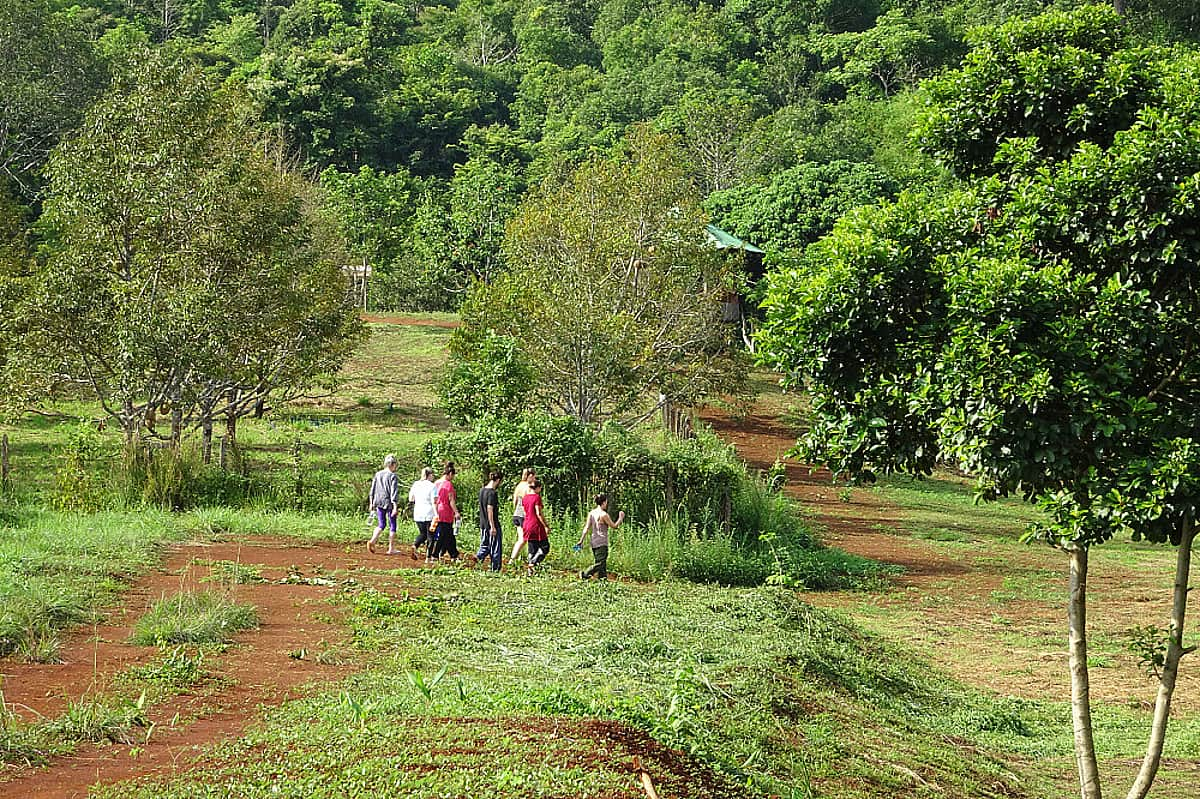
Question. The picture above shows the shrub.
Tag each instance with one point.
(485, 377)
(76, 487)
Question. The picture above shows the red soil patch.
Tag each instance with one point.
(416, 321)
(257, 671)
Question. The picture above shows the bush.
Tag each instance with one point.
(178, 479)
(76, 487)
(485, 377)
(694, 478)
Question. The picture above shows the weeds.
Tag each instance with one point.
(229, 573)
(97, 720)
(173, 672)
(193, 618)
(30, 619)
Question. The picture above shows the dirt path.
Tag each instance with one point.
(265, 667)
(957, 603)
(417, 321)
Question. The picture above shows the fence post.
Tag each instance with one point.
(4, 461)
(298, 466)
(224, 453)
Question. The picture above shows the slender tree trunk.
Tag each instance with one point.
(176, 425)
(1170, 670)
(231, 430)
(206, 433)
(128, 422)
(1081, 703)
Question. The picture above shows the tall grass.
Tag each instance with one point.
(193, 617)
(57, 568)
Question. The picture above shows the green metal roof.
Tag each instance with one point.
(727, 241)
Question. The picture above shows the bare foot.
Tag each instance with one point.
(371, 547)
(392, 552)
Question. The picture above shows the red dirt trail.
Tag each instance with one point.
(254, 673)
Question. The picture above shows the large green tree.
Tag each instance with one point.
(612, 290)
(187, 271)
(1037, 327)
(48, 75)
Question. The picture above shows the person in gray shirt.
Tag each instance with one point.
(385, 503)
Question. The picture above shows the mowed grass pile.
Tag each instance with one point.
(758, 689)
(194, 617)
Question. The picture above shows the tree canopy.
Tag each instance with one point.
(611, 288)
(187, 270)
(1036, 327)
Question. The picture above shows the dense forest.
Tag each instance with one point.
(426, 124)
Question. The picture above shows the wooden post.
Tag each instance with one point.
(365, 273)
(4, 460)
(297, 464)
(224, 456)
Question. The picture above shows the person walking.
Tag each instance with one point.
(537, 531)
(596, 529)
(384, 501)
(446, 509)
(491, 539)
(422, 497)
(519, 493)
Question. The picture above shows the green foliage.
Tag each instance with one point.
(487, 376)
(124, 304)
(203, 617)
(31, 617)
(99, 720)
(720, 562)
(799, 205)
(48, 77)
(1067, 78)
(1033, 328)
(76, 485)
(173, 671)
(612, 290)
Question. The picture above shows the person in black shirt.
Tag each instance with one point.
(491, 542)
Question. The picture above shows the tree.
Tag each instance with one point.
(189, 272)
(48, 75)
(1036, 327)
(800, 204)
(612, 289)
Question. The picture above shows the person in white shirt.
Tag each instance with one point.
(421, 496)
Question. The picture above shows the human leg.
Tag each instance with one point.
(600, 567)
(391, 550)
(381, 518)
(519, 523)
(538, 550)
(496, 549)
(422, 537)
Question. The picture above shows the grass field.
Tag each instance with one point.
(460, 683)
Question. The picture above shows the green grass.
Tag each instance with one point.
(203, 617)
(56, 569)
(943, 508)
(753, 684)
